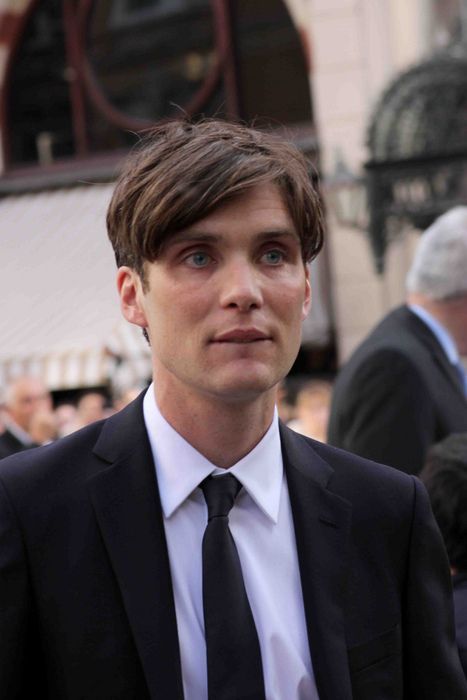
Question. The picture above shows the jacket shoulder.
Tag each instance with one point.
(348, 473)
(60, 462)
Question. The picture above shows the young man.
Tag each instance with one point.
(190, 546)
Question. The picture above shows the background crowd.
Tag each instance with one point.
(28, 417)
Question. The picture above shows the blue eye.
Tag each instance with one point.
(198, 259)
(274, 257)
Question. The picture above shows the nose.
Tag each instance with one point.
(241, 287)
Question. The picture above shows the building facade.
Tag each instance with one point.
(80, 79)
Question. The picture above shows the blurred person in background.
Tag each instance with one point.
(44, 428)
(24, 397)
(65, 416)
(126, 396)
(445, 478)
(404, 388)
(89, 409)
(312, 409)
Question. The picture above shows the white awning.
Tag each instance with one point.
(61, 316)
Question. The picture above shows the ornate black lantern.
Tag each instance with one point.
(418, 145)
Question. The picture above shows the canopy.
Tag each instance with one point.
(61, 318)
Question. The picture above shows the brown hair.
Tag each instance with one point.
(182, 171)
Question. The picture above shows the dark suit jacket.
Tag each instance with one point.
(86, 603)
(397, 395)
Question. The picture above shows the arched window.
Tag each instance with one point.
(89, 75)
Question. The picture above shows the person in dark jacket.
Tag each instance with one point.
(445, 477)
(404, 388)
(25, 397)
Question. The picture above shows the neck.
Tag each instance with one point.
(223, 432)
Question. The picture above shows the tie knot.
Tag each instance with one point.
(220, 493)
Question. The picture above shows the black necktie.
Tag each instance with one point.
(233, 654)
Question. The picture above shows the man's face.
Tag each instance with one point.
(225, 300)
(28, 396)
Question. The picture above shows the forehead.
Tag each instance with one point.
(260, 210)
(26, 390)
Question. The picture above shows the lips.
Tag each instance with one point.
(241, 335)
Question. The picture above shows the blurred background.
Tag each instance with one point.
(374, 92)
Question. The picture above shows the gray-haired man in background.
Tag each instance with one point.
(25, 398)
(405, 387)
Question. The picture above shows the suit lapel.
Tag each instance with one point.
(447, 368)
(322, 525)
(426, 335)
(128, 510)
(127, 506)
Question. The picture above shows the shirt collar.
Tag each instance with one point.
(180, 468)
(444, 338)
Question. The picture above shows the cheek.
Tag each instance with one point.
(174, 321)
(290, 302)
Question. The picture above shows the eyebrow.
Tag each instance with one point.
(204, 237)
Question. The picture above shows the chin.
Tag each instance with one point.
(246, 386)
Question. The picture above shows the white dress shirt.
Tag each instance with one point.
(262, 527)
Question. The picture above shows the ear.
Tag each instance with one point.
(131, 296)
(307, 300)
